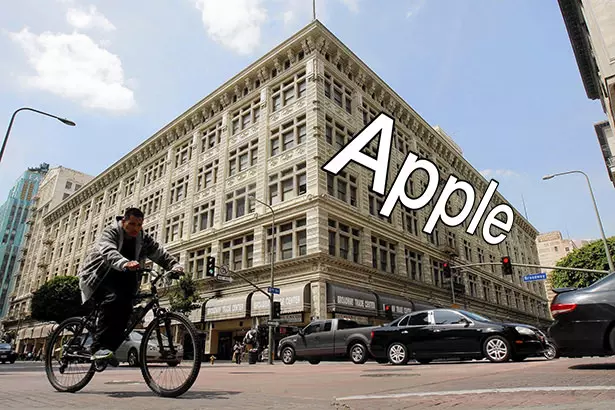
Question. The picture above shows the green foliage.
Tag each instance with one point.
(590, 256)
(57, 300)
(184, 297)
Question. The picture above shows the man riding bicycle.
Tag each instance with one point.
(108, 277)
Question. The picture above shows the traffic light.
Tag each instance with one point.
(277, 310)
(210, 269)
(388, 312)
(506, 266)
(446, 267)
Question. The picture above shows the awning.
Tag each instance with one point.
(399, 305)
(37, 333)
(21, 334)
(195, 315)
(342, 299)
(293, 298)
(226, 307)
(423, 306)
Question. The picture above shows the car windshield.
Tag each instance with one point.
(475, 316)
(137, 335)
(5, 346)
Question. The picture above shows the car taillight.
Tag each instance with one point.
(559, 308)
(372, 335)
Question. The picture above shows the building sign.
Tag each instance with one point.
(288, 302)
(292, 299)
(292, 318)
(358, 303)
(400, 310)
(230, 307)
(227, 309)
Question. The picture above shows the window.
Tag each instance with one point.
(292, 241)
(368, 113)
(152, 231)
(414, 264)
(93, 233)
(154, 171)
(313, 328)
(179, 190)
(207, 176)
(498, 294)
(112, 197)
(183, 154)
(343, 186)
(336, 133)
(447, 317)
(196, 261)
(98, 204)
(473, 279)
(287, 184)
(486, 289)
(376, 202)
(174, 228)
(237, 200)
(344, 241)
(338, 93)
(203, 217)
(211, 136)
(468, 250)
(288, 135)
(150, 204)
(419, 319)
(383, 255)
(86, 212)
(410, 221)
(245, 116)
(347, 324)
(238, 253)
(243, 157)
(69, 185)
(129, 185)
(438, 273)
(289, 91)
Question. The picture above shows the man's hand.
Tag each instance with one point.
(132, 265)
(176, 272)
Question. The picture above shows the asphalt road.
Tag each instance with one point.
(587, 383)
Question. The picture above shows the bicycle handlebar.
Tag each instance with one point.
(156, 278)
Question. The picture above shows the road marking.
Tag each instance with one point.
(481, 391)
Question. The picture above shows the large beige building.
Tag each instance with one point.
(591, 28)
(59, 184)
(267, 132)
(551, 248)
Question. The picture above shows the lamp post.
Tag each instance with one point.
(606, 246)
(273, 244)
(8, 131)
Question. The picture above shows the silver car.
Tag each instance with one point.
(129, 349)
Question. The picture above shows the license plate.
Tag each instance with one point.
(3, 356)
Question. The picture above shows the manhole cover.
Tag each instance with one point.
(250, 372)
(390, 375)
(123, 382)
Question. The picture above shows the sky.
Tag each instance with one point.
(498, 76)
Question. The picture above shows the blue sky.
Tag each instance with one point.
(498, 76)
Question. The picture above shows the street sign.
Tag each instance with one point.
(223, 270)
(275, 291)
(228, 279)
(535, 276)
(273, 323)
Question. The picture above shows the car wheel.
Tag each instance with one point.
(497, 349)
(133, 358)
(358, 353)
(398, 354)
(550, 352)
(288, 355)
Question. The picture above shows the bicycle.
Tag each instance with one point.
(164, 350)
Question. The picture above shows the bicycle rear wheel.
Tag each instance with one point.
(67, 347)
(183, 359)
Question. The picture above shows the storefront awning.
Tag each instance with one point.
(423, 306)
(21, 334)
(399, 304)
(293, 298)
(342, 299)
(226, 307)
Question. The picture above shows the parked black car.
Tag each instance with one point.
(451, 333)
(585, 319)
(7, 354)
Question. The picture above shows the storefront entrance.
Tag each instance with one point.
(225, 346)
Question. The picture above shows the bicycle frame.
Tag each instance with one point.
(89, 322)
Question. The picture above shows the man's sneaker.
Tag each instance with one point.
(102, 354)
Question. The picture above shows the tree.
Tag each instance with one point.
(590, 256)
(57, 300)
(184, 297)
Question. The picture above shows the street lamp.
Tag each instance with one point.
(606, 246)
(273, 244)
(8, 131)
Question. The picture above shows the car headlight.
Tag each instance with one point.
(525, 331)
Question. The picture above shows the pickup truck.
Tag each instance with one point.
(327, 339)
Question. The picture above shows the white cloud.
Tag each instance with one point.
(91, 18)
(75, 67)
(236, 24)
(498, 173)
(415, 7)
(288, 16)
(353, 5)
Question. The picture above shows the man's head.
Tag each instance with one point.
(132, 221)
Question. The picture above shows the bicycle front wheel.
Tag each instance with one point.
(67, 349)
(170, 355)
